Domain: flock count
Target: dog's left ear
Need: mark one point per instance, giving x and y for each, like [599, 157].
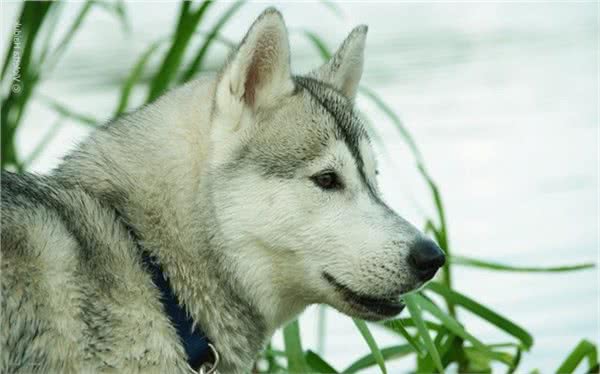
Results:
[259, 70]
[344, 69]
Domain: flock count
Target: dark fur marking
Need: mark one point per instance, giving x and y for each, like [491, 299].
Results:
[30, 190]
[340, 108]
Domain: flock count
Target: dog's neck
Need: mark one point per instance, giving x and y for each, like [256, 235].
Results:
[149, 166]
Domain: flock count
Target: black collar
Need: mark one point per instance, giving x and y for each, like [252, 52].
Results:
[194, 341]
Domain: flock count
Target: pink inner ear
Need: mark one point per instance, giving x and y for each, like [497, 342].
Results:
[264, 60]
[251, 84]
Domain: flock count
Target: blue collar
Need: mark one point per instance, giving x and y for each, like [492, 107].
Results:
[194, 341]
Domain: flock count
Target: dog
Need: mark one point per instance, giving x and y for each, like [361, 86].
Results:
[253, 192]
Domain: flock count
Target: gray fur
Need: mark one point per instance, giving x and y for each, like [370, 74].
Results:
[214, 181]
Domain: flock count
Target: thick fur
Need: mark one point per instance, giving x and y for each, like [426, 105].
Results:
[215, 180]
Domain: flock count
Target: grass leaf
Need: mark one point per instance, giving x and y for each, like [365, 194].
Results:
[416, 315]
[442, 231]
[448, 347]
[68, 113]
[196, 64]
[13, 106]
[46, 139]
[408, 322]
[389, 112]
[466, 261]
[119, 10]
[483, 312]
[318, 43]
[334, 7]
[317, 364]
[293, 348]
[451, 324]
[583, 349]
[366, 333]
[270, 356]
[188, 21]
[134, 77]
[388, 353]
[397, 326]
[68, 36]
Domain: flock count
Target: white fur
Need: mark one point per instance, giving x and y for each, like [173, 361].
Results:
[200, 175]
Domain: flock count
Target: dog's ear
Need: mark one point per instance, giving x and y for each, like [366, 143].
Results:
[344, 69]
[259, 70]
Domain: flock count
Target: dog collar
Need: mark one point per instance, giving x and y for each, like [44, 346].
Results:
[201, 355]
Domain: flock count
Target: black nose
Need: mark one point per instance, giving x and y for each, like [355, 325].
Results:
[426, 258]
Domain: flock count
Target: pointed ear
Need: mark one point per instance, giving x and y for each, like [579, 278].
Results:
[259, 70]
[344, 69]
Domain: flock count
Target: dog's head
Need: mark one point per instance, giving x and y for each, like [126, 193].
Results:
[294, 179]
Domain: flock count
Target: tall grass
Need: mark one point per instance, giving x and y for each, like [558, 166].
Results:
[433, 335]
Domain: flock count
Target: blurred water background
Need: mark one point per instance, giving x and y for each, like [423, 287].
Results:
[502, 98]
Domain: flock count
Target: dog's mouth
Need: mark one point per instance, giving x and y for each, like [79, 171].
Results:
[370, 306]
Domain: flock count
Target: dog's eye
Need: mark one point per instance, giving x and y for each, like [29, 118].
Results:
[327, 180]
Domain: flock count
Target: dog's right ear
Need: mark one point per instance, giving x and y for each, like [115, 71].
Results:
[258, 72]
[345, 67]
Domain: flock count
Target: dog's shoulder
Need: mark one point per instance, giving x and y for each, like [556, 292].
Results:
[71, 278]
[39, 214]
[61, 225]
[30, 216]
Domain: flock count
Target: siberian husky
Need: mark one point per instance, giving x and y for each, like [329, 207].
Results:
[251, 192]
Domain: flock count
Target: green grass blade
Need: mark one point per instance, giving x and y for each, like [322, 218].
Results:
[416, 315]
[451, 324]
[269, 354]
[476, 362]
[188, 21]
[388, 353]
[119, 10]
[516, 360]
[389, 112]
[293, 348]
[68, 36]
[430, 228]
[46, 139]
[318, 43]
[9, 52]
[483, 312]
[437, 198]
[441, 232]
[317, 364]
[366, 333]
[374, 135]
[48, 31]
[467, 261]
[275, 352]
[397, 326]
[333, 7]
[68, 113]
[134, 77]
[196, 64]
[447, 347]
[583, 349]
[30, 21]
[13, 106]
[408, 322]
